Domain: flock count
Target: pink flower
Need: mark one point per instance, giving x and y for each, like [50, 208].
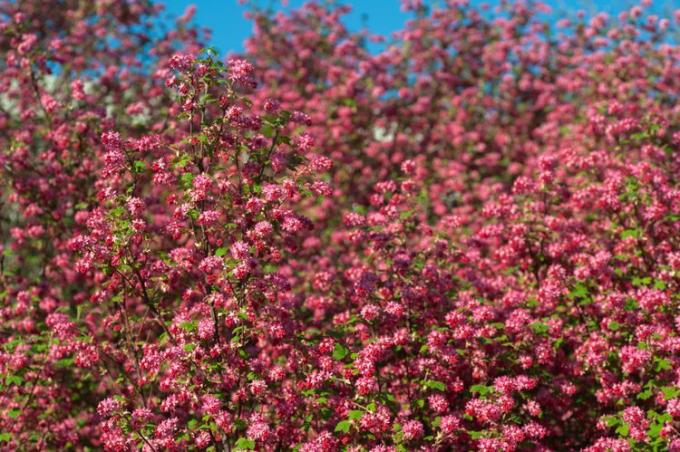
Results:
[412, 430]
[108, 407]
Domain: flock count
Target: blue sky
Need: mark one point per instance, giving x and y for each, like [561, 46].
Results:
[230, 28]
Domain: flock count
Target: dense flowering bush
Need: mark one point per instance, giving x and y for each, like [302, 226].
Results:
[468, 240]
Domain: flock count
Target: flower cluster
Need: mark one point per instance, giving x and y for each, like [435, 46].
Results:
[466, 240]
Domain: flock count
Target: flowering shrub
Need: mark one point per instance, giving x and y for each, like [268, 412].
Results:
[465, 241]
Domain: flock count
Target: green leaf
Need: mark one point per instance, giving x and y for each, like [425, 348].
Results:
[194, 213]
[219, 252]
[623, 429]
[406, 214]
[540, 328]
[635, 233]
[432, 384]
[580, 290]
[139, 166]
[65, 362]
[182, 161]
[284, 116]
[14, 413]
[39, 348]
[189, 326]
[267, 130]
[339, 352]
[558, 343]
[117, 212]
[664, 418]
[240, 424]
[245, 444]
[658, 284]
[362, 210]
[662, 364]
[655, 430]
[13, 380]
[5, 437]
[631, 305]
[481, 389]
[349, 102]
[670, 392]
[355, 415]
[612, 421]
[637, 282]
[192, 424]
[283, 139]
[11, 345]
[187, 180]
[614, 326]
[646, 394]
[343, 426]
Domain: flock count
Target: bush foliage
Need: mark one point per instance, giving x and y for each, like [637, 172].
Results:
[467, 240]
